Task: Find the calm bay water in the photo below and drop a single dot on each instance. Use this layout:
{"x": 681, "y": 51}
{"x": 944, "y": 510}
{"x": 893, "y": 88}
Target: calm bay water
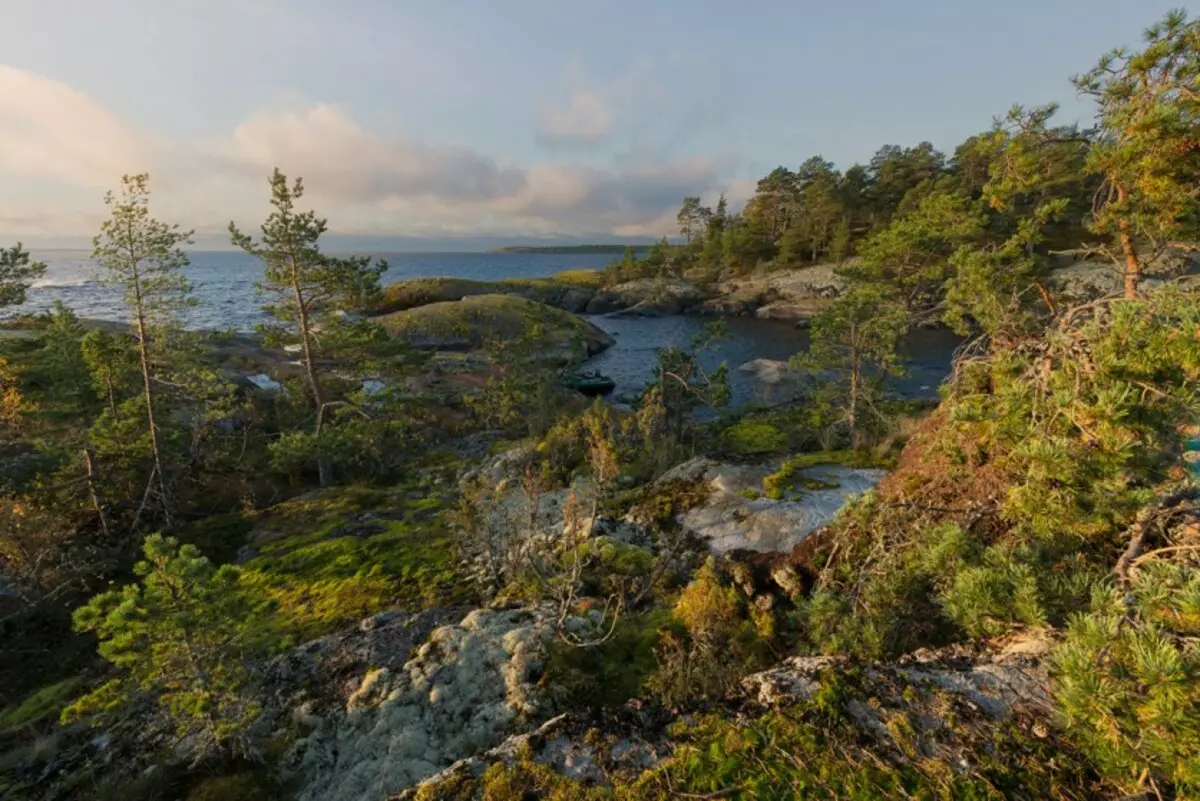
{"x": 226, "y": 299}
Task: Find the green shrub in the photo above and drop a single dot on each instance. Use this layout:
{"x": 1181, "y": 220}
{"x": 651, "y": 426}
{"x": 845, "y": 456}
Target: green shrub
{"x": 1129, "y": 686}
{"x": 749, "y": 436}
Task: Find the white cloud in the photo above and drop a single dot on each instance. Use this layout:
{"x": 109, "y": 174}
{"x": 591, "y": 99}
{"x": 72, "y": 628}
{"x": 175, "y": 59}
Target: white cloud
{"x": 365, "y": 183}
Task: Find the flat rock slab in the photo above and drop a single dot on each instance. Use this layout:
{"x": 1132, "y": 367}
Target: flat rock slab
{"x": 732, "y": 519}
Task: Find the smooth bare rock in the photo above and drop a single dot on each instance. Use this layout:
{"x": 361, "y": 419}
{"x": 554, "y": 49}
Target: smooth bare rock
{"x": 730, "y": 520}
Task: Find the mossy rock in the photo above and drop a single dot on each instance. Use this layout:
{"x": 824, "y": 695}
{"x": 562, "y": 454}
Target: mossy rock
{"x": 474, "y": 321}
{"x": 571, "y": 288}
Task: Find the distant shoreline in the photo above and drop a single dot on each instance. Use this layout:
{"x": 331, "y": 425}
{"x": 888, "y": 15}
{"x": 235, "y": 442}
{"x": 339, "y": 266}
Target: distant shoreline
{"x": 572, "y": 249}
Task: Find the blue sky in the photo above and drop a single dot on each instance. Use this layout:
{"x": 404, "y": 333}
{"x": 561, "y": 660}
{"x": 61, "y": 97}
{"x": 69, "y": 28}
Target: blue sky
{"x": 472, "y": 120}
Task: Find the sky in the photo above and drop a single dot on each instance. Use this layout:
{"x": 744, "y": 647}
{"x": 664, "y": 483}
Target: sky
{"x": 457, "y": 124}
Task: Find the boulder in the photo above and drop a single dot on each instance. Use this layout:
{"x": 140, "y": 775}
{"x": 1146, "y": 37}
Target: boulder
{"x": 603, "y": 303}
{"x": 771, "y": 372}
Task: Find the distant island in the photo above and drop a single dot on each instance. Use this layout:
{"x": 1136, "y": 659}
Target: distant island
{"x": 568, "y": 249}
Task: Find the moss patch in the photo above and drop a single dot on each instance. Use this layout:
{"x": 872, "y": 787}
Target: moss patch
{"x": 790, "y": 474}
{"x": 44, "y": 704}
{"x": 341, "y": 555}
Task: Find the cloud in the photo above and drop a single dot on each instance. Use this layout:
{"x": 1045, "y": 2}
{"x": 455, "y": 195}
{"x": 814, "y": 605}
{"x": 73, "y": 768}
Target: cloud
{"x": 587, "y": 118}
{"x": 333, "y": 153}
{"x": 49, "y": 130}
{"x": 69, "y": 146}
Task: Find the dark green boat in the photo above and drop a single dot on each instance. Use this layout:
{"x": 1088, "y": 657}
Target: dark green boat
{"x": 591, "y": 382}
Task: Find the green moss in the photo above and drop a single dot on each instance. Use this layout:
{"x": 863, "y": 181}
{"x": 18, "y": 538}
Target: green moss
{"x": 609, "y": 674}
{"x": 749, "y": 436}
{"x": 789, "y": 475}
{"x": 343, "y": 554}
{"x": 44, "y": 704}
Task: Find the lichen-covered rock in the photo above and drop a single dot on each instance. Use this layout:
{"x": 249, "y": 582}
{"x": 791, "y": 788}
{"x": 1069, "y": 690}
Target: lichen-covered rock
{"x": 561, "y": 744}
{"x": 940, "y": 699}
{"x": 460, "y": 695}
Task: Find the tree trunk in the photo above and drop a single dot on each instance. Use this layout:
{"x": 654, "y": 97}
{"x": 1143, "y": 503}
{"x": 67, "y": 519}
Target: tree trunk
{"x": 1133, "y": 270}
{"x": 148, "y": 386}
{"x": 112, "y": 398}
{"x": 89, "y": 461}
{"x": 324, "y": 466}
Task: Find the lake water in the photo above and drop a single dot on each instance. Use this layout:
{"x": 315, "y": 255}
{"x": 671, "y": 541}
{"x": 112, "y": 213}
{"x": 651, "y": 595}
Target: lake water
{"x": 226, "y": 298}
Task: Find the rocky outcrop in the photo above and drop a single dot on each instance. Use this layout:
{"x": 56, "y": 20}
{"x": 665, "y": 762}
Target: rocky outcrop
{"x": 562, "y": 744}
{"x": 472, "y": 322}
{"x": 736, "y": 516}
{"x": 948, "y": 698}
{"x": 460, "y": 695}
{"x": 941, "y": 708}
{"x": 569, "y": 291}
{"x": 654, "y": 297}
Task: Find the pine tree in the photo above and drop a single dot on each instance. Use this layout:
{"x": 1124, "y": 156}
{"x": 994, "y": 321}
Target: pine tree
{"x": 144, "y": 257}
{"x": 108, "y": 360}
{"x": 855, "y": 345}
{"x": 17, "y": 272}
{"x": 912, "y": 254}
{"x": 1148, "y": 151}
{"x": 187, "y": 634}
{"x": 308, "y": 286}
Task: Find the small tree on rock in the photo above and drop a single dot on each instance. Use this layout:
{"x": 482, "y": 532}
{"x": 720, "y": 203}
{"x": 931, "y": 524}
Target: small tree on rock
{"x": 307, "y": 286}
{"x": 854, "y": 344}
{"x": 144, "y": 257}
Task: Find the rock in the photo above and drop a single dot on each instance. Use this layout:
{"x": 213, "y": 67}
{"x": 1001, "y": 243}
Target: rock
{"x": 788, "y": 580}
{"x": 468, "y": 324}
{"x": 265, "y": 383}
{"x": 731, "y": 521}
{"x": 576, "y": 300}
{"x": 507, "y": 465}
{"x": 458, "y": 697}
{"x": 985, "y": 687}
{"x": 603, "y": 303}
{"x": 692, "y": 470}
{"x": 562, "y": 744}
{"x": 569, "y": 291}
{"x": 794, "y": 311}
{"x": 770, "y": 372}
{"x": 652, "y": 297}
